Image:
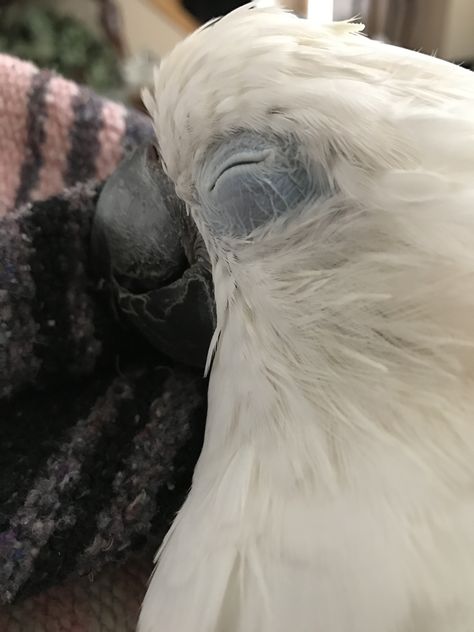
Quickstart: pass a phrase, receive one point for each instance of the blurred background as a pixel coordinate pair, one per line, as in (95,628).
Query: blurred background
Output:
(112,45)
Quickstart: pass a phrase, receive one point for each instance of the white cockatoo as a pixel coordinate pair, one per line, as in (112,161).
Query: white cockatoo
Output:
(332,179)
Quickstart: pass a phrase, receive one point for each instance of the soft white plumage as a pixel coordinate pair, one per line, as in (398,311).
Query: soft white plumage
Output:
(335,490)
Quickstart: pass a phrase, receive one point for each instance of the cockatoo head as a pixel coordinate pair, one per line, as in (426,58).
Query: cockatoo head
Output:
(262,116)
(330,178)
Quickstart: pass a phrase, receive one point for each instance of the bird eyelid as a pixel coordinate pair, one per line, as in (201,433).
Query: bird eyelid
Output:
(240,159)
(248,179)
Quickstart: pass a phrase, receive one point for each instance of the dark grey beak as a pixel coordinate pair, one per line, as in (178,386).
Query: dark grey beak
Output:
(150,253)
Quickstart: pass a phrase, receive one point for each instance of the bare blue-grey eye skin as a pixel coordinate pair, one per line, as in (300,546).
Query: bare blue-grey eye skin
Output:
(249,179)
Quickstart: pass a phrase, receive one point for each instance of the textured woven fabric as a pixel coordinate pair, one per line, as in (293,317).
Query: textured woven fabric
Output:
(109,602)
(99,433)
(54,134)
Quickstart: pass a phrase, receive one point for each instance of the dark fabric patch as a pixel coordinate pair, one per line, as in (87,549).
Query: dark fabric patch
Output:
(65,341)
(92,454)
(35,135)
(31,427)
(132,446)
(165,427)
(84,138)
(34,430)
(18,365)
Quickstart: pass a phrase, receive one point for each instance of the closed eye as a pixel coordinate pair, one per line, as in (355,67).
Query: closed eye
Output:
(248,179)
(241,159)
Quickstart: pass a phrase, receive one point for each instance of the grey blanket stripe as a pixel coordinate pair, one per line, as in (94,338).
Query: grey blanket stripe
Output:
(84,138)
(36,520)
(37,115)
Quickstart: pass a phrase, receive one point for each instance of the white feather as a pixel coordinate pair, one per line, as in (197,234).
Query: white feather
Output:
(335,489)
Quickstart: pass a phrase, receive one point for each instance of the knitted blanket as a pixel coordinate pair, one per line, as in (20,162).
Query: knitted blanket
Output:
(109,603)
(99,432)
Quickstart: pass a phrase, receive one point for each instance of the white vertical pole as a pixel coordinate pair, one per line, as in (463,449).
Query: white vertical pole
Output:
(321,11)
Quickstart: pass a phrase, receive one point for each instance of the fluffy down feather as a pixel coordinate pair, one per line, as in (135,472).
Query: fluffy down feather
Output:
(335,490)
